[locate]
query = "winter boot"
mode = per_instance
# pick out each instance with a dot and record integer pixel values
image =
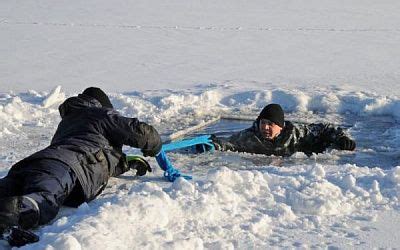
(17, 213)
(28, 213)
(19, 237)
(9, 213)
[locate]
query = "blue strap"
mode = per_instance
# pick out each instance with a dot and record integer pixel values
(170, 173)
(203, 140)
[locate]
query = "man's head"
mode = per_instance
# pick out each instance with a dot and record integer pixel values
(271, 121)
(99, 95)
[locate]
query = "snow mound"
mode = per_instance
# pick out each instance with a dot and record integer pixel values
(226, 208)
(55, 97)
(185, 108)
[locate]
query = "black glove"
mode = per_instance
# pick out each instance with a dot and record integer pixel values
(345, 143)
(140, 164)
(216, 142)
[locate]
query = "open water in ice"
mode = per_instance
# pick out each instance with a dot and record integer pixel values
(377, 138)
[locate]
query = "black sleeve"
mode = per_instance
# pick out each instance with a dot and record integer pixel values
(317, 137)
(326, 131)
(132, 132)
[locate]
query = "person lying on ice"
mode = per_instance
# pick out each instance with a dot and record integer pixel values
(85, 151)
(270, 134)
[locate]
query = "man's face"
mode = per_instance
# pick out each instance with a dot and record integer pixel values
(268, 129)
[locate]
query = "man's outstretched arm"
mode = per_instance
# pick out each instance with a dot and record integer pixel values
(132, 132)
(331, 136)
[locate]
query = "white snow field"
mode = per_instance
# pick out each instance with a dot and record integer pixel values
(236, 200)
(178, 64)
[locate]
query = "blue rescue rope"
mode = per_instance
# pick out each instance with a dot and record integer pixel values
(170, 173)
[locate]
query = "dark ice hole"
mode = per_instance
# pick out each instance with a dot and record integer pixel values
(377, 138)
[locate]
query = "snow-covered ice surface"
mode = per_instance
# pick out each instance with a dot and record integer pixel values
(151, 44)
(236, 200)
(178, 64)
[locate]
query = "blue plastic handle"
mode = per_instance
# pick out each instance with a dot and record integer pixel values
(203, 140)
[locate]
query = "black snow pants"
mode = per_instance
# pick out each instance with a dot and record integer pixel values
(46, 183)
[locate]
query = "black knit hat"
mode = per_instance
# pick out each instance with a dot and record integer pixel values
(274, 113)
(99, 95)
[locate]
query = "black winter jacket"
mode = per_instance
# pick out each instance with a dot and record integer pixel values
(89, 139)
